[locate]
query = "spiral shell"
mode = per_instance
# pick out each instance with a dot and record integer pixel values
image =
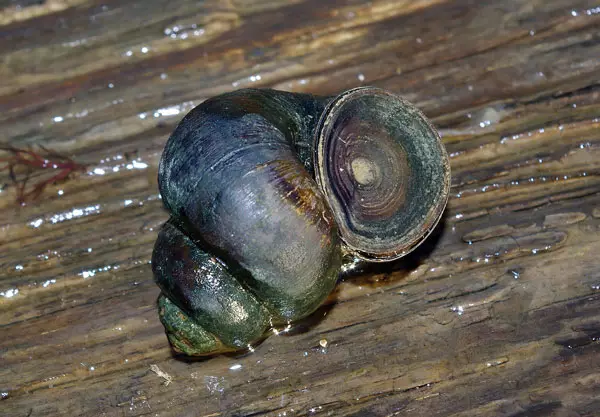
(269, 190)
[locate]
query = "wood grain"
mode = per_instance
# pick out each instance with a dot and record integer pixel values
(497, 314)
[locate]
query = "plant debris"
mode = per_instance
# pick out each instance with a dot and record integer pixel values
(33, 161)
(167, 378)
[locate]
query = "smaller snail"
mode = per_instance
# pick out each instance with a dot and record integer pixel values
(272, 193)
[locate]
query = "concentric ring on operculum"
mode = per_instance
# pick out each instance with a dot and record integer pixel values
(383, 170)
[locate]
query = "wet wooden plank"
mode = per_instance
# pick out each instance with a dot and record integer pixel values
(497, 314)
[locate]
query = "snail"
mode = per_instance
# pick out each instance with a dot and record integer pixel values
(272, 193)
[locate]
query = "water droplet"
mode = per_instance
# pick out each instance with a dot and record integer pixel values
(9, 293)
(595, 10)
(49, 282)
(139, 165)
(36, 223)
(458, 310)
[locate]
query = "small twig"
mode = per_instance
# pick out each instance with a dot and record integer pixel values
(168, 379)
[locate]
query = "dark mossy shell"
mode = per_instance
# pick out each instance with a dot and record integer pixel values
(254, 241)
(383, 170)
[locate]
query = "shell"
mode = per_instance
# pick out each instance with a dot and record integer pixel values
(254, 240)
